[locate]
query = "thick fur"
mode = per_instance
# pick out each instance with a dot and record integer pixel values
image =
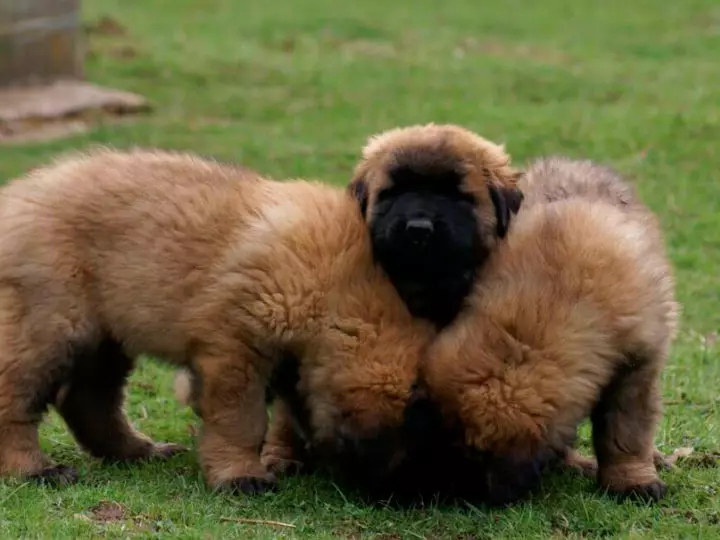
(212, 268)
(463, 187)
(436, 199)
(571, 317)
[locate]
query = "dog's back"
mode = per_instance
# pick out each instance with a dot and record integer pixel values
(554, 178)
(584, 237)
(577, 286)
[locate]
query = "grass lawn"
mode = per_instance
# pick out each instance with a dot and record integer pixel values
(293, 88)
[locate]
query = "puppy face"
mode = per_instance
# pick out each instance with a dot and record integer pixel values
(436, 198)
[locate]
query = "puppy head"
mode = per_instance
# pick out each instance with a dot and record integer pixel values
(436, 465)
(357, 405)
(435, 191)
(492, 391)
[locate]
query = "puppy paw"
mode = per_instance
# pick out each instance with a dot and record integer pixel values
(651, 492)
(143, 451)
(280, 466)
(585, 466)
(632, 480)
(280, 460)
(56, 476)
(663, 462)
(252, 485)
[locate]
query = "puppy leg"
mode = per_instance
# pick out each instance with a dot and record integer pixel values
(279, 451)
(92, 406)
(624, 424)
(232, 407)
(27, 384)
(584, 465)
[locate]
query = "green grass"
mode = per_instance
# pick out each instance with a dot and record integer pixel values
(293, 88)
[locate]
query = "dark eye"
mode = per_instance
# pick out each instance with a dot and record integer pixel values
(462, 196)
(388, 193)
(470, 199)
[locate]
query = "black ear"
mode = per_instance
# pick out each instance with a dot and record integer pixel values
(507, 201)
(358, 189)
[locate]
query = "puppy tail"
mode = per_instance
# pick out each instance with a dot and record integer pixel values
(182, 387)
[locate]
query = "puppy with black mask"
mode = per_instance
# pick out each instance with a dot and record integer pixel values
(437, 199)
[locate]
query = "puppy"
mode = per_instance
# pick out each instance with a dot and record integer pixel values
(436, 199)
(372, 465)
(572, 316)
(109, 255)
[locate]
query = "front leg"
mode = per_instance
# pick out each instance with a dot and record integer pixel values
(232, 406)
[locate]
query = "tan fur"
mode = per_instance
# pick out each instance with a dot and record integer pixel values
(279, 452)
(573, 316)
(210, 267)
(432, 146)
(483, 162)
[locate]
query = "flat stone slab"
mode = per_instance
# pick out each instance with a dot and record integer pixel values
(60, 108)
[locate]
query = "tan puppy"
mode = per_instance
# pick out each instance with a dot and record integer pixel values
(436, 198)
(573, 316)
(210, 267)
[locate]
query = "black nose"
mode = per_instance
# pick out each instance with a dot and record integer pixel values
(419, 229)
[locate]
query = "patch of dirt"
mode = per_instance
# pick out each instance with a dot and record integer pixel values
(106, 26)
(687, 515)
(700, 460)
(500, 49)
(62, 108)
(693, 516)
(371, 48)
(107, 511)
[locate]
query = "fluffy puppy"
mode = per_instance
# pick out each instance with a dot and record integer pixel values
(572, 316)
(374, 465)
(112, 254)
(436, 199)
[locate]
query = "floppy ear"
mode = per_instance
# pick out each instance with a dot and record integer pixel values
(507, 201)
(358, 189)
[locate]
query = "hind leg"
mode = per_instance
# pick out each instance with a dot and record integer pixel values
(624, 424)
(27, 385)
(92, 406)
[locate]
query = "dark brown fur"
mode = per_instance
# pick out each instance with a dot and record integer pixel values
(572, 316)
(210, 267)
